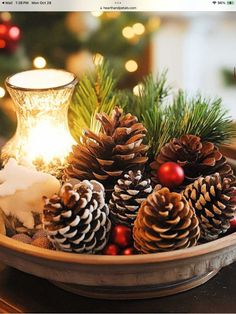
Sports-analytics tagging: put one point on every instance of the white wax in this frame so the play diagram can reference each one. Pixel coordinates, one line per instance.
(41, 79)
(22, 190)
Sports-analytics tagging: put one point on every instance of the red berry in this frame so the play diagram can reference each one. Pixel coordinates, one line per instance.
(170, 174)
(111, 249)
(122, 236)
(129, 251)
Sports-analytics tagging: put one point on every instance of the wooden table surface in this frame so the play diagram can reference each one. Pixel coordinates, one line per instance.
(20, 292)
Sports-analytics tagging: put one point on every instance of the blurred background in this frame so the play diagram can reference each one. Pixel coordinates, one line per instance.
(197, 49)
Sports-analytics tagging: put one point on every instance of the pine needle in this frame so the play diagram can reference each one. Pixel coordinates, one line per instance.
(152, 93)
(94, 93)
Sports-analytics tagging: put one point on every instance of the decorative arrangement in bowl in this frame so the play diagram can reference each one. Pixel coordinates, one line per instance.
(125, 210)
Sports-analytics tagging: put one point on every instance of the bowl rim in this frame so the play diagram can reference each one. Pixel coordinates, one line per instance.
(90, 259)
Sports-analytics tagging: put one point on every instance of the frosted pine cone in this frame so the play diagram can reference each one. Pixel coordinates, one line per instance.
(76, 219)
(214, 200)
(165, 222)
(129, 193)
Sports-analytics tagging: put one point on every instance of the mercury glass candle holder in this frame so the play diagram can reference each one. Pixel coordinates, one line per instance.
(41, 99)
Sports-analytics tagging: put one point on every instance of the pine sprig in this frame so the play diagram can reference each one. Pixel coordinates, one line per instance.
(198, 115)
(94, 93)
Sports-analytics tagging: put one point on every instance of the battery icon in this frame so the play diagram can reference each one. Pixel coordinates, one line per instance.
(230, 2)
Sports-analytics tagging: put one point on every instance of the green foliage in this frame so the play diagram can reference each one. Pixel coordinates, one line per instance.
(199, 116)
(109, 41)
(45, 34)
(94, 93)
(152, 93)
(182, 115)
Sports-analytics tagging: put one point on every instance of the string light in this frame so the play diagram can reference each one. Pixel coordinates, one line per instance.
(128, 32)
(97, 14)
(39, 62)
(131, 66)
(2, 92)
(138, 89)
(138, 28)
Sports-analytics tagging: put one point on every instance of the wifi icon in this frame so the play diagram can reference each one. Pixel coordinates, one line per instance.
(214, 2)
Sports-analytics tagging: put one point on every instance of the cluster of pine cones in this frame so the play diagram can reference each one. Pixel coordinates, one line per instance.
(107, 179)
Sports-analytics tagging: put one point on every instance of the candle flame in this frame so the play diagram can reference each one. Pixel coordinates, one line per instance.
(48, 141)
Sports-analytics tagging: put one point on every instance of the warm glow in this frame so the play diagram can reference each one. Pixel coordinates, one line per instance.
(138, 89)
(39, 62)
(3, 29)
(48, 141)
(2, 92)
(128, 32)
(41, 103)
(97, 14)
(131, 66)
(153, 24)
(112, 15)
(5, 16)
(138, 28)
(14, 32)
(41, 79)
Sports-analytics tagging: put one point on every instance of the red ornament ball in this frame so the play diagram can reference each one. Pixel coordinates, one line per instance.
(233, 223)
(170, 174)
(122, 236)
(129, 251)
(111, 249)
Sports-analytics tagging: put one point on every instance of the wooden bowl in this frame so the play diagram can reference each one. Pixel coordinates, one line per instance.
(122, 277)
(125, 277)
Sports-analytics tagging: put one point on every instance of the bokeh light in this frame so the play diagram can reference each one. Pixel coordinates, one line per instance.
(138, 28)
(39, 62)
(131, 66)
(128, 32)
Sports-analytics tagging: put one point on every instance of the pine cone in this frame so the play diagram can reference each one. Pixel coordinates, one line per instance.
(130, 192)
(165, 222)
(117, 149)
(214, 200)
(197, 158)
(77, 218)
